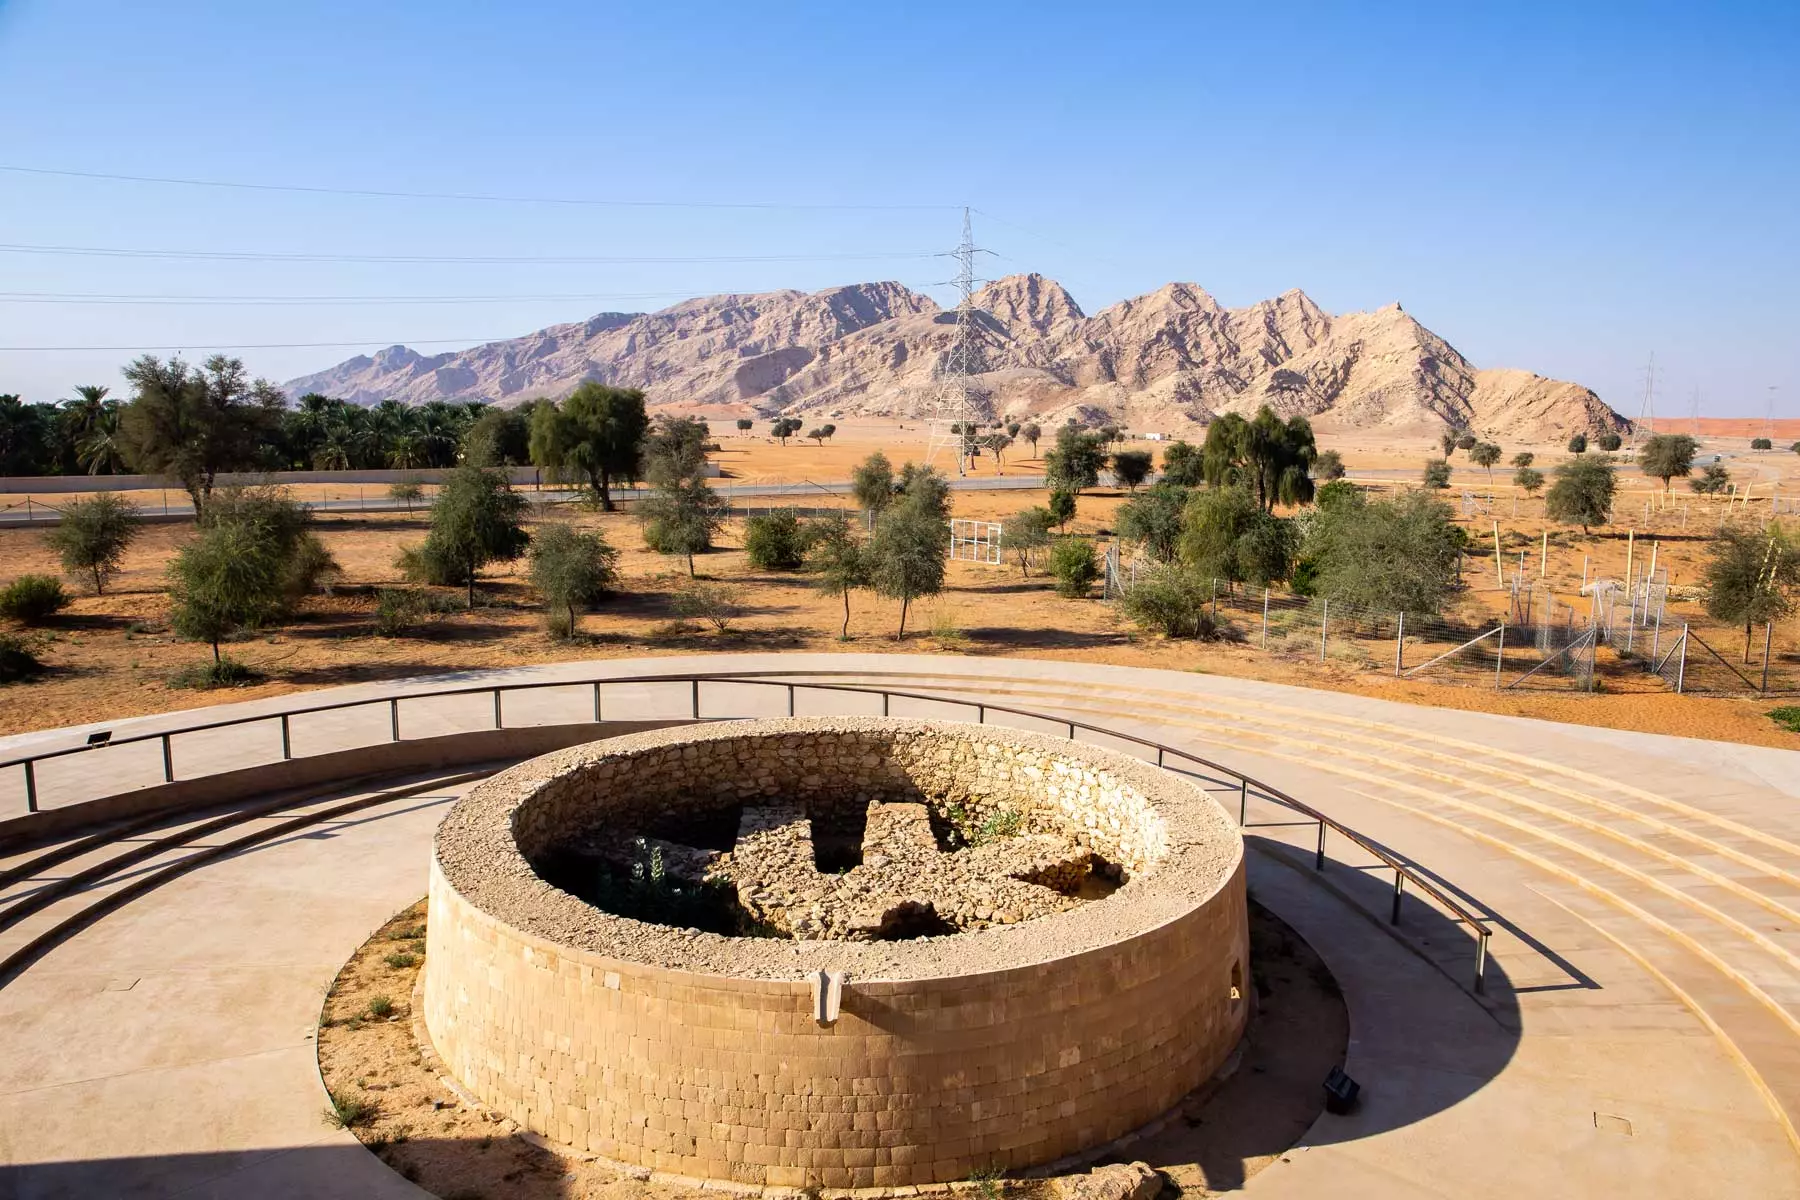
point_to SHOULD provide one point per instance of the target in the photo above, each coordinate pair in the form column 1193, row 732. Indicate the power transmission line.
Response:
column 278, row 256
column 382, row 342
column 474, row 197
column 953, row 413
column 129, row 298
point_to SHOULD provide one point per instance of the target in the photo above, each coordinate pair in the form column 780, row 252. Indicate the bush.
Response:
column 1578, row 444
column 572, row 570
column 17, row 662
column 1073, row 563
column 1762, row 444
column 345, row 1110
column 311, row 568
column 1610, row 442
column 776, row 541
column 381, row 1007
column 1062, row 507
column 397, row 610
column 1437, row 473
column 93, row 534
column 718, row 604
column 1787, row 716
column 32, row 599
column 429, row 562
column 226, row 672
column 408, row 490
column 1173, row 601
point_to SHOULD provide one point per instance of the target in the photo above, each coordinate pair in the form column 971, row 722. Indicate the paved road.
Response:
column 1639, row 1036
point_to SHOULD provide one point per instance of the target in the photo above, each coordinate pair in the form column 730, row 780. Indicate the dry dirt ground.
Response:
column 112, row 656
column 399, row 1104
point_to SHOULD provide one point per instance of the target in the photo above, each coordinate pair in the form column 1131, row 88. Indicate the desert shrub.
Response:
column 474, row 521
column 204, row 676
column 1787, row 716
column 17, row 662
column 1437, row 473
column 32, row 599
column 93, row 534
column 1610, row 441
column 776, row 541
column 345, row 1111
column 311, row 568
column 397, row 610
column 1073, row 563
column 1062, row 507
column 233, row 577
column 401, row 959
column 1173, row 601
column 381, row 1007
column 408, row 490
column 1025, row 534
column 717, row 604
column 429, row 562
column 1762, row 443
column 1712, row 480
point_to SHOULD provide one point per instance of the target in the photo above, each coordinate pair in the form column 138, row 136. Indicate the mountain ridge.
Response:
column 1169, row 358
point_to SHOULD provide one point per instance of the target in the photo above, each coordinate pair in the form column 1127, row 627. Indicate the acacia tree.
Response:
column 1528, row 480
column 190, row 425
column 93, row 535
column 1751, row 575
column 1327, row 466
column 1713, row 479
column 230, row 578
column 1396, row 554
column 1226, row 534
column 1025, row 533
column 1485, row 455
column 683, row 512
column 1271, row 457
column 1182, row 464
column 1076, row 460
column 872, row 483
column 572, row 570
column 1437, row 474
column 474, row 521
column 839, row 561
column 1582, row 494
column 1152, row 519
column 910, row 546
column 596, row 435
column 1131, row 468
column 1667, row 455
column 1031, row 433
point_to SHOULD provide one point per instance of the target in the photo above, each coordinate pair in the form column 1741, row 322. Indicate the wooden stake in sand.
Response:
column 1499, row 571
column 1584, row 571
column 1650, row 579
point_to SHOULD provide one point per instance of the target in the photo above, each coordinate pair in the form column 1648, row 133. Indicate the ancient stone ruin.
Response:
column 840, row 953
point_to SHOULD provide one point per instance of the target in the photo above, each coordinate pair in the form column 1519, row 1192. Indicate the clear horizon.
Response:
column 1561, row 192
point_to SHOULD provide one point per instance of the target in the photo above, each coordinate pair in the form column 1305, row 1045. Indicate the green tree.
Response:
column 925, row 489
column 94, row 535
column 572, row 570
column 1485, row 455
column 1578, row 444
column 1024, row 534
column 839, row 561
column 1131, row 468
column 499, row 437
column 1075, row 566
column 682, row 512
column 190, row 425
column 872, row 483
column 1183, row 465
column 1523, row 458
column 1271, row 457
column 785, row 428
column 1394, row 554
column 776, row 541
column 1173, row 599
column 1032, row 433
column 1152, row 519
column 228, row 579
column 1437, row 474
column 997, row 445
column 1528, row 480
column 285, row 524
column 909, row 550
column 1751, row 575
column 745, row 425
column 1610, row 441
column 1582, row 494
column 1062, row 507
column 595, row 436
column 1713, row 480
column 1466, row 441
column 1667, row 455
column 1447, row 443
column 1328, row 465
column 475, row 520
column 1076, row 460
column 1227, row 535
column 1762, row 443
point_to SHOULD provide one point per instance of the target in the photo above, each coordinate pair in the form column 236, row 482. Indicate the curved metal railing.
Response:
column 1248, row 786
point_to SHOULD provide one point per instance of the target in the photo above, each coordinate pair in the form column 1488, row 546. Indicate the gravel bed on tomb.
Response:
column 1174, row 846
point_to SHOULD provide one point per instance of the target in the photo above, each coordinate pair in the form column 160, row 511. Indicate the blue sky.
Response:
column 1560, row 187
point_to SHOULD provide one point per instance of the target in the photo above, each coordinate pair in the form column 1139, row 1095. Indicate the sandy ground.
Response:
column 112, row 656
column 433, row 1136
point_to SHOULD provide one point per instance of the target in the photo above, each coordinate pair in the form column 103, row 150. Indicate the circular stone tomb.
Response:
column 835, row 952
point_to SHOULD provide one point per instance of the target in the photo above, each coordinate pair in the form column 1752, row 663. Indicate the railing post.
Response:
column 1159, row 756
column 1481, row 948
column 1399, row 889
column 1399, row 643
column 1319, row 859
column 394, row 719
column 884, row 704
column 168, row 760
column 287, row 739
column 499, row 720
column 790, row 688
column 30, row 787
column 981, row 714
column 596, row 701
column 1071, row 731
column 696, row 695
column 1243, row 801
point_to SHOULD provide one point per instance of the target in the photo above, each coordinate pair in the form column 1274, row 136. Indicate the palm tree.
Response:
column 101, row 451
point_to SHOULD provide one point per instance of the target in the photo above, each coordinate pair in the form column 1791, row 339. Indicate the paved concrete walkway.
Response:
column 1638, row 1035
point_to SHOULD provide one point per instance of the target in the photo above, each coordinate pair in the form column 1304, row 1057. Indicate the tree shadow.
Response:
column 1008, row 637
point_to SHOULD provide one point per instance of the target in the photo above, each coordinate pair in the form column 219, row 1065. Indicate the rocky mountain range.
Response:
column 1163, row 361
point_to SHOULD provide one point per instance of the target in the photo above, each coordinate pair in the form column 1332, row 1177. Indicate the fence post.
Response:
column 1500, row 654
column 1768, row 641
column 1681, row 670
column 1324, row 625
column 1399, row 642
column 1265, row 629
